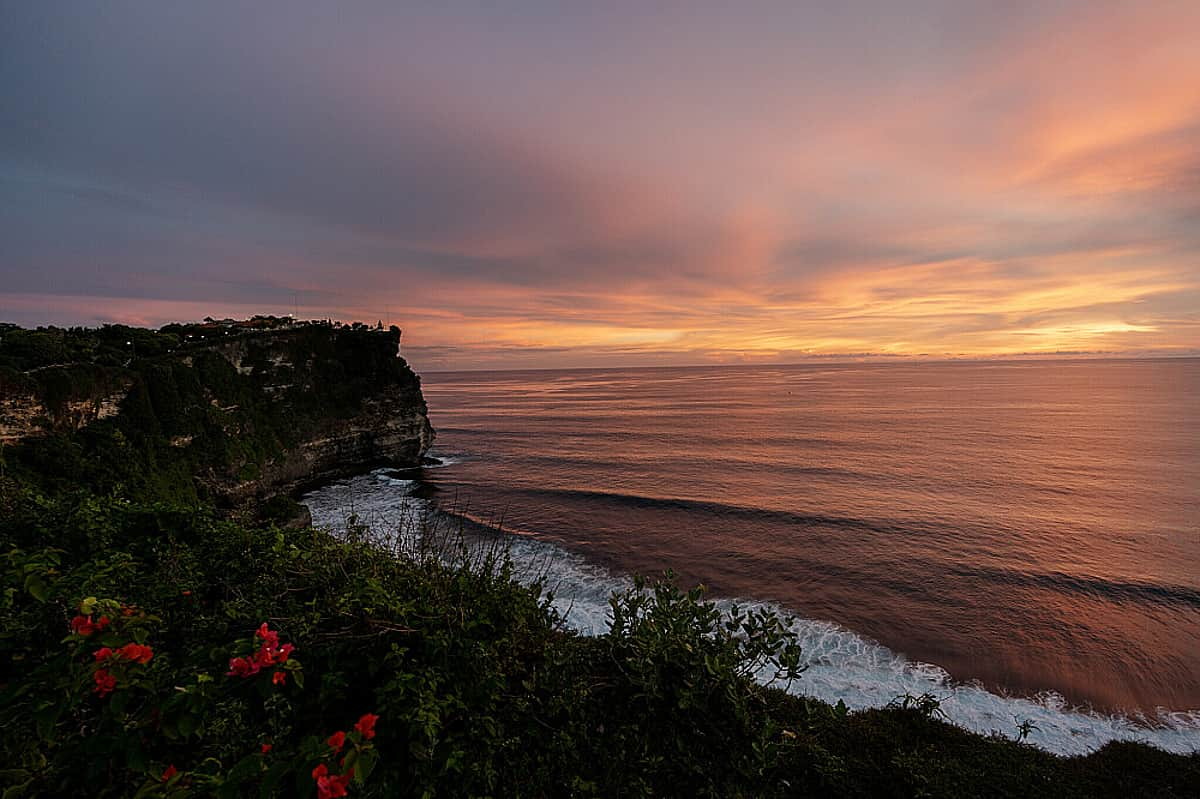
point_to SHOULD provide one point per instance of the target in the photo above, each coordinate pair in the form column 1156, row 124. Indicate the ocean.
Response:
column 1019, row 538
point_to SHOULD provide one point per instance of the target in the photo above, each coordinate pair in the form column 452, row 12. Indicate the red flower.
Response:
column 338, row 785
column 270, row 653
column 82, row 625
column 330, row 787
column 270, row 637
column 185, row 592
column 243, row 667
column 366, row 725
column 136, row 653
column 266, row 748
column 169, row 773
column 279, row 678
column 127, row 610
column 105, row 682
column 103, row 653
column 337, row 741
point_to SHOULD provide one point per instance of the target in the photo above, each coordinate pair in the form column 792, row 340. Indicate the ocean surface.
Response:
column 1021, row 539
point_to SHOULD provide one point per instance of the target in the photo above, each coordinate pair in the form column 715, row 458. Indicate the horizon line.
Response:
column 845, row 360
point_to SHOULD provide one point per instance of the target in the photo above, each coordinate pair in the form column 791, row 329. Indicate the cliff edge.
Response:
column 357, row 402
column 208, row 411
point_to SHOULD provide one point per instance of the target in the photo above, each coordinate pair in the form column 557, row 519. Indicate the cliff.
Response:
column 359, row 405
column 232, row 416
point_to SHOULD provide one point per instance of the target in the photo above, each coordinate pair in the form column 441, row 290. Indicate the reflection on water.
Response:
column 1035, row 526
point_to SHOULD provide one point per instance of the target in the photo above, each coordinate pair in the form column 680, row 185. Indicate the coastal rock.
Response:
column 379, row 418
column 389, row 431
column 249, row 415
column 25, row 414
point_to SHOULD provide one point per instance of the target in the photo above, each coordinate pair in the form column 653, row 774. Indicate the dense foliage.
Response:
column 477, row 689
column 150, row 645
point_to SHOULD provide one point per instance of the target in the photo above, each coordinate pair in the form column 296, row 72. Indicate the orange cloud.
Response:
column 699, row 186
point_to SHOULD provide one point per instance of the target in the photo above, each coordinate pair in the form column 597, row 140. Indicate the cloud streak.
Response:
column 538, row 186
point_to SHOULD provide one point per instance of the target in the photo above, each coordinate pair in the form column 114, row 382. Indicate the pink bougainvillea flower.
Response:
column 337, row 741
column 366, row 725
column 169, row 773
column 279, row 678
column 105, row 682
column 103, row 653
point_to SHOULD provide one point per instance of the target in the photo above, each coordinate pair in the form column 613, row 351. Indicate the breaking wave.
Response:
column 841, row 664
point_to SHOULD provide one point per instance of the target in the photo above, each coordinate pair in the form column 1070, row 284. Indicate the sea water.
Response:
column 1019, row 539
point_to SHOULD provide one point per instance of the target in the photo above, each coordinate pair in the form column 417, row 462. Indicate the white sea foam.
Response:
column 443, row 459
column 841, row 665
column 379, row 502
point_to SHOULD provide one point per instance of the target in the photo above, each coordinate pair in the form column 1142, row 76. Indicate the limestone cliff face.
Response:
column 372, row 410
column 20, row 416
column 24, row 414
column 390, row 429
column 248, row 415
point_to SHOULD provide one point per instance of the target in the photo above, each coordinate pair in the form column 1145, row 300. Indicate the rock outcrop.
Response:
column 388, row 430
column 373, row 412
column 249, row 415
column 23, row 413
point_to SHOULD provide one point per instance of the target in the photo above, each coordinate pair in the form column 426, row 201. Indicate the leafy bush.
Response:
column 147, row 640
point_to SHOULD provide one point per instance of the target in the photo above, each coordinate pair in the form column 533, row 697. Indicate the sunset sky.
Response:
column 552, row 184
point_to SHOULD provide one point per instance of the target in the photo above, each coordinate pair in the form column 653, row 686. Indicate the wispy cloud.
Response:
column 540, row 185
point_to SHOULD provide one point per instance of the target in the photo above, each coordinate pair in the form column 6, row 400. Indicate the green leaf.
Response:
column 273, row 777
column 366, row 764
column 246, row 768
column 36, row 587
column 46, row 717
